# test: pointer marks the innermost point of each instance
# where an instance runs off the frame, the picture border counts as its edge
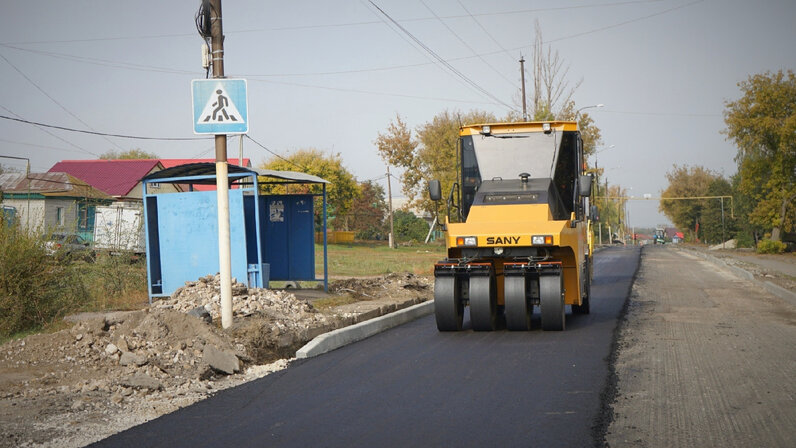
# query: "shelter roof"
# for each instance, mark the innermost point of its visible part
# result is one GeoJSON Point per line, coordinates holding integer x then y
{"type": "Point", "coordinates": [209, 169]}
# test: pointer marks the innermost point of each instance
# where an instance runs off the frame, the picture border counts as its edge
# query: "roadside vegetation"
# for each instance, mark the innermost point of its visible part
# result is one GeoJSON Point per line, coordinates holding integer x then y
{"type": "Point", "coordinates": [38, 288]}
{"type": "Point", "coordinates": [761, 124]}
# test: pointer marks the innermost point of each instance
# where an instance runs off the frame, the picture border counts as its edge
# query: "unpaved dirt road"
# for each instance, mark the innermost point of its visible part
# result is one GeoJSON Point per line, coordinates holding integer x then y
{"type": "Point", "coordinates": [705, 359]}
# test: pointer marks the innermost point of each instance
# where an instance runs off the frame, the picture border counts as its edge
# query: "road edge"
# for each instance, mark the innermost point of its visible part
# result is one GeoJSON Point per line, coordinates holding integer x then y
{"type": "Point", "coordinates": [777, 290]}
{"type": "Point", "coordinates": [363, 330]}
{"type": "Point", "coordinates": [610, 391]}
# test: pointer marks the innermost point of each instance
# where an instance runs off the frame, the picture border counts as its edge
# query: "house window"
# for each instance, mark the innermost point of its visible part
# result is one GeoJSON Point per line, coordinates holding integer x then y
{"type": "Point", "coordinates": [154, 185]}
{"type": "Point", "coordinates": [59, 216]}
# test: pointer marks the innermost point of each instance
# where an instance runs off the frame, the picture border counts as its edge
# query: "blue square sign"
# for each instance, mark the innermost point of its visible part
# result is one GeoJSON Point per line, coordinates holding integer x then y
{"type": "Point", "coordinates": [220, 106]}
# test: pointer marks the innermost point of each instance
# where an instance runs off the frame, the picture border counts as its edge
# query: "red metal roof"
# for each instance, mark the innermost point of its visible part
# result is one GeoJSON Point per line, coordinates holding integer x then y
{"type": "Point", "coordinates": [114, 177]}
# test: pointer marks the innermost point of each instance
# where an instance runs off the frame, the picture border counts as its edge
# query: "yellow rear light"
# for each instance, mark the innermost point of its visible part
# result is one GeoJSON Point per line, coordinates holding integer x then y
{"type": "Point", "coordinates": [542, 240]}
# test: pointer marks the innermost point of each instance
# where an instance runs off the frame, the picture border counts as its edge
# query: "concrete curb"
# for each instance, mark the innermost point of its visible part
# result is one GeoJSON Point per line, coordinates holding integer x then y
{"type": "Point", "coordinates": [777, 290]}
{"type": "Point", "coordinates": [348, 335]}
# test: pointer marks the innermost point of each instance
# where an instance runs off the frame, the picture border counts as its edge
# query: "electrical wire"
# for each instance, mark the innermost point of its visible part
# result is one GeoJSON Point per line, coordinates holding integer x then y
{"type": "Point", "coordinates": [472, 50]}
{"type": "Point", "coordinates": [302, 168]}
{"type": "Point", "coordinates": [483, 28]}
{"type": "Point", "coordinates": [335, 25]}
{"type": "Point", "coordinates": [42, 128]}
{"type": "Point", "coordinates": [445, 63]}
{"type": "Point", "coordinates": [83, 131]}
{"type": "Point", "coordinates": [27, 78]}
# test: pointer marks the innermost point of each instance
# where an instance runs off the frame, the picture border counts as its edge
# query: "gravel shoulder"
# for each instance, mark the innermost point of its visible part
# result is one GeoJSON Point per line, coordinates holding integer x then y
{"type": "Point", "coordinates": [705, 358]}
{"type": "Point", "coordinates": [112, 371]}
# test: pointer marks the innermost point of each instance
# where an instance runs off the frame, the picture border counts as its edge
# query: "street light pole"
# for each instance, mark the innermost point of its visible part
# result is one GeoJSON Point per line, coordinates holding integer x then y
{"type": "Point", "coordinates": [587, 107]}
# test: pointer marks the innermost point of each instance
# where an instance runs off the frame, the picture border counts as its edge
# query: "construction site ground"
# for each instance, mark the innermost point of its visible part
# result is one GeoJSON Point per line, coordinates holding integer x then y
{"type": "Point", "coordinates": [111, 371]}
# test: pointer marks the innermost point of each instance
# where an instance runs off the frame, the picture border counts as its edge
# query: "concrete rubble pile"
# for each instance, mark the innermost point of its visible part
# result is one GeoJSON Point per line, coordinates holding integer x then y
{"type": "Point", "coordinates": [205, 294]}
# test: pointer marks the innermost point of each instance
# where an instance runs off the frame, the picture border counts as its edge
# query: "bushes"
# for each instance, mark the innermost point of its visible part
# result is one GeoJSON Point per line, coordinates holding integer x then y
{"type": "Point", "coordinates": [34, 288]}
{"type": "Point", "coordinates": [37, 288]}
{"type": "Point", "coordinates": [770, 247]}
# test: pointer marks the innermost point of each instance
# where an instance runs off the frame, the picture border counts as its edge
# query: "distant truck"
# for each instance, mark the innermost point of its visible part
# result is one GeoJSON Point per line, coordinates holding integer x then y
{"type": "Point", "coordinates": [659, 237]}
{"type": "Point", "coordinates": [119, 227]}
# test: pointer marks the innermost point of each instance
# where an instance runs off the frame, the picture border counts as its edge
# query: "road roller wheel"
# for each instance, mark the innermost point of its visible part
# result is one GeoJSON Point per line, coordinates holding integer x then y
{"type": "Point", "coordinates": [448, 307]}
{"type": "Point", "coordinates": [518, 308]}
{"type": "Point", "coordinates": [551, 294]}
{"type": "Point", "coordinates": [483, 303]}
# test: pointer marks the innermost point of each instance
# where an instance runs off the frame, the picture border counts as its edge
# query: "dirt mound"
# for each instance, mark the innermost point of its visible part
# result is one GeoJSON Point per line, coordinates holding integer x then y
{"type": "Point", "coordinates": [389, 285]}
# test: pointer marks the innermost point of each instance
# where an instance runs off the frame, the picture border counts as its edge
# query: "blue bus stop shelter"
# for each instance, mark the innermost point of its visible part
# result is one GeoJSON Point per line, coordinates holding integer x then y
{"type": "Point", "coordinates": [272, 236]}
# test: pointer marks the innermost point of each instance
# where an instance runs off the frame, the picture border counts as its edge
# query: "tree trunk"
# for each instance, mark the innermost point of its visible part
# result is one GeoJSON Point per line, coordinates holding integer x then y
{"type": "Point", "coordinates": [776, 232]}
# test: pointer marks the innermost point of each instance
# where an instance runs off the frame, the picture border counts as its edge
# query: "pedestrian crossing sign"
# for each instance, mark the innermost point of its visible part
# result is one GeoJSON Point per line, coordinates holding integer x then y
{"type": "Point", "coordinates": [220, 106]}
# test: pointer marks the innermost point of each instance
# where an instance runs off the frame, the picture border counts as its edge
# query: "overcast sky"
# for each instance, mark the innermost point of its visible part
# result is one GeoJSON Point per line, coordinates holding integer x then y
{"type": "Point", "coordinates": [333, 74]}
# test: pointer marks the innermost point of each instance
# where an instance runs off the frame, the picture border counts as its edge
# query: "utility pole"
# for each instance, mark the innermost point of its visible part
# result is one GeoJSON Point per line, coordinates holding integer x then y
{"type": "Point", "coordinates": [222, 173]}
{"type": "Point", "coordinates": [522, 74]}
{"type": "Point", "coordinates": [391, 243]}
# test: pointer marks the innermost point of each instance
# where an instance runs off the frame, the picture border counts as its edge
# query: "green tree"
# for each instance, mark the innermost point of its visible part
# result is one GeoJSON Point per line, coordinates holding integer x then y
{"type": "Point", "coordinates": [747, 233]}
{"type": "Point", "coordinates": [368, 212]}
{"type": "Point", "coordinates": [686, 181]}
{"type": "Point", "coordinates": [409, 227]}
{"type": "Point", "coordinates": [341, 191]}
{"type": "Point", "coordinates": [710, 224]}
{"type": "Point", "coordinates": [431, 155]}
{"type": "Point", "coordinates": [137, 154]}
{"type": "Point", "coordinates": [762, 124]}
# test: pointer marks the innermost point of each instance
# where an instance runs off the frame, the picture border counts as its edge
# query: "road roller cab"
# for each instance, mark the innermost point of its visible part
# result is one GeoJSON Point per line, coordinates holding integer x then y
{"type": "Point", "coordinates": [517, 231]}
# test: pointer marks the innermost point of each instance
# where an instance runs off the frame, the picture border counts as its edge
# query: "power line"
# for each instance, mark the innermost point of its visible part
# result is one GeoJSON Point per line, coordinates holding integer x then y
{"type": "Point", "coordinates": [445, 63]}
{"type": "Point", "coordinates": [41, 128]}
{"type": "Point", "coordinates": [485, 30]}
{"type": "Point", "coordinates": [472, 50]}
{"type": "Point", "coordinates": [371, 92]}
{"type": "Point", "coordinates": [596, 30]}
{"type": "Point", "coordinates": [332, 25]}
{"type": "Point", "coordinates": [303, 169]}
{"type": "Point", "coordinates": [54, 100]}
{"type": "Point", "coordinates": [83, 131]}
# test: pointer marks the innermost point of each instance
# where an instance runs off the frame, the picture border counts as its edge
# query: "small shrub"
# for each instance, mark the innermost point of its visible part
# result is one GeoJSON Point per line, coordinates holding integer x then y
{"type": "Point", "coordinates": [35, 288]}
{"type": "Point", "coordinates": [770, 247]}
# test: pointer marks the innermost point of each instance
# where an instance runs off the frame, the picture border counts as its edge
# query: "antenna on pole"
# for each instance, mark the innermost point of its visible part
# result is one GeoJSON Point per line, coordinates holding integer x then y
{"type": "Point", "coordinates": [522, 74]}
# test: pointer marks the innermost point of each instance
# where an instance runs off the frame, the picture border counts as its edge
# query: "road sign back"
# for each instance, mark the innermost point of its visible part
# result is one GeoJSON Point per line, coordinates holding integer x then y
{"type": "Point", "coordinates": [220, 106]}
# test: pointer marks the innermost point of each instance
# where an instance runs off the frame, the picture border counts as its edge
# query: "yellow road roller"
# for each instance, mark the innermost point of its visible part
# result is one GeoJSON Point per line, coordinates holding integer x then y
{"type": "Point", "coordinates": [517, 229]}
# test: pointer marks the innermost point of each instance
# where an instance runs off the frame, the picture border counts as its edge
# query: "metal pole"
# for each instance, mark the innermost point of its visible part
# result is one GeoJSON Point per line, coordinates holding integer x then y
{"type": "Point", "coordinates": [522, 74]}
{"type": "Point", "coordinates": [222, 174]}
{"type": "Point", "coordinates": [391, 242]}
{"type": "Point", "coordinates": [722, 224]}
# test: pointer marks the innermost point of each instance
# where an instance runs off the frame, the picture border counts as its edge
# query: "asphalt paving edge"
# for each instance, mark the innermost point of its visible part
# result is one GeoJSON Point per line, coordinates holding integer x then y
{"type": "Point", "coordinates": [608, 395]}
{"type": "Point", "coordinates": [357, 332]}
{"type": "Point", "coordinates": [777, 290]}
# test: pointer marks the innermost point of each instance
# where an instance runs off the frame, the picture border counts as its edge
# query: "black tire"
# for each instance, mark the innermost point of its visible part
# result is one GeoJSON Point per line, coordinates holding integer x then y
{"type": "Point", "coordinates": [448, 307]}
{"type": "Point", "coordinates": [518, 308]}
{"type": "Point", "coordinates": [552, 307]}
{"type": "Point", "coordinates": [483, 303]}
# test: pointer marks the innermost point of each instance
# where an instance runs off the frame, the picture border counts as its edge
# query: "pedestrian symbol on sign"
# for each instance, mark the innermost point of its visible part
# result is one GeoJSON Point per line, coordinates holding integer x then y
{"type": "Point", "coordinates": [219, 108]}
{"type": "Point", "coordinates": [221, 105]}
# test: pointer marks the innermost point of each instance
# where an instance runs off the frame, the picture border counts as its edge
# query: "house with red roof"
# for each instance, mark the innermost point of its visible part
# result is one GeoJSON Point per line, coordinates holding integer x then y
{"type": "Point", "coordinates": [120, 179]}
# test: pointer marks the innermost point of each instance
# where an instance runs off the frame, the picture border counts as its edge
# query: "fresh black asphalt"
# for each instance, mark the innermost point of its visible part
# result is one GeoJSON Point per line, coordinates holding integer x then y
{"type": "Point", "coordinates": [413, 386]}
